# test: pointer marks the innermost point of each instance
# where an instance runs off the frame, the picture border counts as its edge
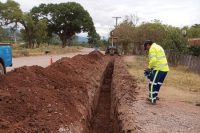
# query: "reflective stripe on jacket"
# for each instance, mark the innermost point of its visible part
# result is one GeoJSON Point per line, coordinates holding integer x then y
{"type": "Point", "coordinates": [157, 58]}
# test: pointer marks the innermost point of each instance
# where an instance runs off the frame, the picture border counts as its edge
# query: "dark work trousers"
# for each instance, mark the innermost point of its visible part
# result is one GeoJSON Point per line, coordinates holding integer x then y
{"type": "Point", "coordinates": [156, 80]}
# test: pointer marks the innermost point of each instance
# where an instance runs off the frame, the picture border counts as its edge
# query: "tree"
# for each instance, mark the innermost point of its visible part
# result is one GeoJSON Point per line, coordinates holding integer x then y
{"type": "Point", "coordinates": [154, 31]}
{"type": "Point", "coordinates": [103, 43]}
{"type": "Point", "coordinates": [194, 50]}
{"type": "Point", "coordinates": [5, 35]}
{"type": "Point", "coordinates": [10, 12]}
{"type": "Point", "coordinates": [64, 19]}
{"type": "Point", "coordinates": [174, 40]}
{"type": "Point", "coordinates": [28, 31]}
{"type": "Point", "coordinates": [194, 31]}
{"type": "Point", "coordinates": [54, 39]}
{"type": "Point", "coordinates": [124, 35]}
{"type": "Point", "coordinates": [93, 37]}
{"type": "Point", "coordinates": [34, 31]}
{"type": "Point", "coordinates": [41, 32]}
{"type": "Point", "coordinates": [132, 37]}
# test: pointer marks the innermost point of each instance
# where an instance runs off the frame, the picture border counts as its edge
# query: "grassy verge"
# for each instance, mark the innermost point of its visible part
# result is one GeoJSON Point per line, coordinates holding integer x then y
{"type": "Point", "coordinates": [179, 82]}
{"type": "Point", "coordinates": [178, 77]}
{"type": "Point", "coordinates": [136, 65]}
{"type": "Point", "coordinates": [20, 50]}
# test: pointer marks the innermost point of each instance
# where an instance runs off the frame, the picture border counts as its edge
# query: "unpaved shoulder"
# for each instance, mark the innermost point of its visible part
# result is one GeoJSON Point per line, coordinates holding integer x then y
{"type": "Point", "coordinates": [166, 116]}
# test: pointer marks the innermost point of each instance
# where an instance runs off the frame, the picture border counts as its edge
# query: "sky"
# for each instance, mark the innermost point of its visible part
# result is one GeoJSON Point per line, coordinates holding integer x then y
{"type": "Point", "coordinates": [177, 13]}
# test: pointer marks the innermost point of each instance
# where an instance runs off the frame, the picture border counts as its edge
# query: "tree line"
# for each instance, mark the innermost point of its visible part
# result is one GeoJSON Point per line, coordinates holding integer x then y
{"type": "Point", "coordinates": [43, 22]}
{"type": "Point", "coordinates": [130, 36]}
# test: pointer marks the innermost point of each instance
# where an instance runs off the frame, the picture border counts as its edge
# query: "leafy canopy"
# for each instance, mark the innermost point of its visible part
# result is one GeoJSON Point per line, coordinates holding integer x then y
{"type": "Point", "coordinates": [64, 19]}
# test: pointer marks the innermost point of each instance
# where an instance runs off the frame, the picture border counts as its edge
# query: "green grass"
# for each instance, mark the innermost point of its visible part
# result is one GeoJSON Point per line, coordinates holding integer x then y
{"type": "Point", "coordinates": [20, 50]}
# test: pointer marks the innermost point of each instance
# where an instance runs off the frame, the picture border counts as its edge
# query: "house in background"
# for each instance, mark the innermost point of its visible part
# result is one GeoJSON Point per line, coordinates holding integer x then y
{"type": "Point", "coordinates": [194, 42]}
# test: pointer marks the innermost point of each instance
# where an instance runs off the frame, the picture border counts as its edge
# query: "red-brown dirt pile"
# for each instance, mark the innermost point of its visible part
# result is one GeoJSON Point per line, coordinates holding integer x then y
{"type": "Point", "coordinates": [123, 94]}
{"type": "Point", "coordinates": [57, 98]}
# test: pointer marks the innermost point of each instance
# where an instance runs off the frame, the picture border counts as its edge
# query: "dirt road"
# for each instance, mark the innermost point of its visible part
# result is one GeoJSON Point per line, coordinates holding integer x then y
{"type": "Point", "coordinates": [173, 113]}
{"type": "Point", "coordinates": [44, 60]}
{"type": "Point", "coordinates": [166, 116]}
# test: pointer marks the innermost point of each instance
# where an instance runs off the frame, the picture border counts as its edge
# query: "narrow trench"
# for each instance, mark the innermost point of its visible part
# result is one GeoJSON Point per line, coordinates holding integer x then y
{"type": "Point", "coordinates": [102, 123]}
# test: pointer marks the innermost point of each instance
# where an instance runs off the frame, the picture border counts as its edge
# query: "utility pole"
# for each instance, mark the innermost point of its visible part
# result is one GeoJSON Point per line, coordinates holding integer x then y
{"type": "Point", "coordinates": [112, 38]}
{"type": "Point", "coordinates": [116, 20]}
{"type": "Point", "coordinates": [115, 27]}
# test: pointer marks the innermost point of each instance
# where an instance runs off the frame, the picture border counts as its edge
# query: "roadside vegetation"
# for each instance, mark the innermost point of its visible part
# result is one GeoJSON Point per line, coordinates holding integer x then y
{"type": "Point", "coordinates": [46, 24]}
{"type": "Point", "coordinates": [44, 28]}
{"type": "Point", "coordinates": [20, 50]}
{"type": "Point", "coordinates": [131, 35]}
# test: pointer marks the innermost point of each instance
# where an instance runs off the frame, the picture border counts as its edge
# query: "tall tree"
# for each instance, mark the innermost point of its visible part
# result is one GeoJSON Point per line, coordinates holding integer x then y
{"type": "Point", "coordinates": [194, 31]}
{"type": "Point", "coordinates": [168, 36]}
{"type": "Point", "coordinates": [174, 40]}
{"type": "Point", "coordinates": [34, 31]}
{"type": "Point", "coordinates": [10, 12]}
{"type": "Point", "coordinates": [154, 31]}
{"type": "Point", "coordinates": [124, 35]}
{"type": "Point", "coordinates": [64, 19]}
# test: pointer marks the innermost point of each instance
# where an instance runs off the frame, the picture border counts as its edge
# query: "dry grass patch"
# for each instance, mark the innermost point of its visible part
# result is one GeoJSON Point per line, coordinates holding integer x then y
{"type": "Point", "coordinates": [19, 50]}
{"type": "Point", "coordinates": [180, 84]}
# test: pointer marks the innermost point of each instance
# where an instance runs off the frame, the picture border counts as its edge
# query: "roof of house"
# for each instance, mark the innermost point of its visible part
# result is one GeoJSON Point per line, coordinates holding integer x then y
{"type": "Point", "coordinates": [194, 41]}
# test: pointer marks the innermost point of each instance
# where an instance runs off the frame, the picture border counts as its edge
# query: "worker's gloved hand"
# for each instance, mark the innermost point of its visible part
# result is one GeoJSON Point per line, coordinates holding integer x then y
{"type": "Point", "coordinates": [147, 73]}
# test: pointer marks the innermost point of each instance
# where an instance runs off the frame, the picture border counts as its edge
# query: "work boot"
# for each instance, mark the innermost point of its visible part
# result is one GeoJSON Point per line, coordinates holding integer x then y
{"type": "Point", "coordinates": [149, 100]}
{"type": "Point", "coordinates": [153, 102]}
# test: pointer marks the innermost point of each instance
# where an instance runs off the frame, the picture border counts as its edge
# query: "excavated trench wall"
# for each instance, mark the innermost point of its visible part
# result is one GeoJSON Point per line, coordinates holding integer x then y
{"type": "Point", "coordinates": [114, 108]}
{"type": "Point", "coordinates": [122, 99]}
{"type": "Point", "coordinates": [101, 121]}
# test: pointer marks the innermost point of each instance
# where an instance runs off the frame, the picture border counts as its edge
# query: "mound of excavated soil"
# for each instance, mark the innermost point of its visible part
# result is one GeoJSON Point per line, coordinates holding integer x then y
{"type": "Point", "coordinates": [52, 99]}
{"type": "Point", "coordinates": [123, 96]}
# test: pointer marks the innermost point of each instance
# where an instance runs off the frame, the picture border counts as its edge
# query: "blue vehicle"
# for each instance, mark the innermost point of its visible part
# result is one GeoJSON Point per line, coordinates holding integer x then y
{"type": "Point", "coordinates": [5, 57]}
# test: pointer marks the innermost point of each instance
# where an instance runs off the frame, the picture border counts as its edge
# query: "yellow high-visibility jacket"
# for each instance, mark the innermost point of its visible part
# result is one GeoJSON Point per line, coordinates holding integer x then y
{"type": "Point", "coordinates": [157, 58]}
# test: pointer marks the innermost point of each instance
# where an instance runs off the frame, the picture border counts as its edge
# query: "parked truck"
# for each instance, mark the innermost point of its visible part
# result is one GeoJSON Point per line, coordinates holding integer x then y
{"type": "Point", "coordinates": [5, 57]}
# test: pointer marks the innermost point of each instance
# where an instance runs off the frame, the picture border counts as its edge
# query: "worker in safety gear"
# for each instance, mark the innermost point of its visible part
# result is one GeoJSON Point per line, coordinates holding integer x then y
{"type": "Point", "coordinates": [157, 68]}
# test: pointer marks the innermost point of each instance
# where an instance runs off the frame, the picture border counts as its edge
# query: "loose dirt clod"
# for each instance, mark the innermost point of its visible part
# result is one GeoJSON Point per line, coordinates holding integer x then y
{"type": "Point", "coordinates": [197, 104]}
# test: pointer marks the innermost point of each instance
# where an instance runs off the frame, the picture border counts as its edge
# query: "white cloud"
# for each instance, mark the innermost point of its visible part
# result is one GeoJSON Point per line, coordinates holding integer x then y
{"type": "Point", "coordinates": [173, 12]}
